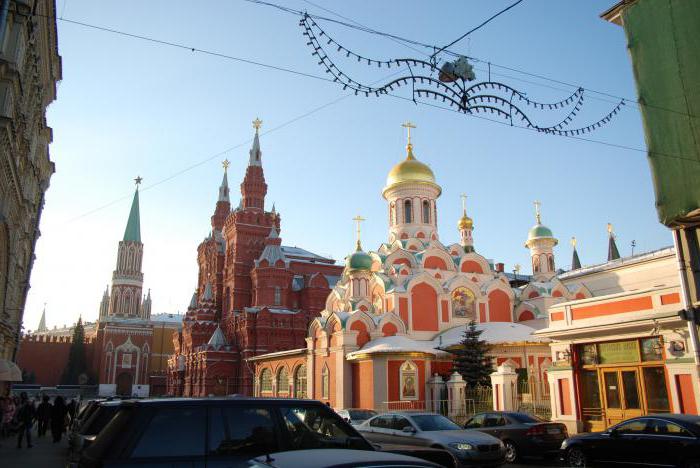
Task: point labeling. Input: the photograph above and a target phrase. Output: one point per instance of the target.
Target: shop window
(629, 386)
(655, 388)
(590, 395)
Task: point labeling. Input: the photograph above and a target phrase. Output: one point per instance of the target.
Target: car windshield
(99, 420)
(362, 414)
(524, 418)
(434, 422)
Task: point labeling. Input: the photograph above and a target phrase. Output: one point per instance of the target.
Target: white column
(456, 403)
(434, 393)
(505, 389)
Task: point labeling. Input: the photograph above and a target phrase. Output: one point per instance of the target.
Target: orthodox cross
(226, 164)
(358, 219)
(138, 180)
(573, 242)
(537, 204)
(610, 230)
(257, 123)
(464, 202)
(408, 126)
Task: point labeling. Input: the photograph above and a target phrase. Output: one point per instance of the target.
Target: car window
(637, 426)
(524, 418)
(361, 414)
(399, 423)
(173, 432)
(235, 430)
(99, 420)
(312, 427)
(434, 422)
(476, 421)
(383, 422)
(493, 420)
(661, 427)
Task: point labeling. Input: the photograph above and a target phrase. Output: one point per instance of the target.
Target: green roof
(360, 261)
(133, 226)
(539, 230)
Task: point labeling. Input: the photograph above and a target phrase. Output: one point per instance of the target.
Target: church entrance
(124, 382)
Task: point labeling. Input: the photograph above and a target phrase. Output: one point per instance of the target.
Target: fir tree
(471, 359)
(76, 356)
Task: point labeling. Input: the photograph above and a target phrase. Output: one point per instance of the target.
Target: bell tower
(541, 242)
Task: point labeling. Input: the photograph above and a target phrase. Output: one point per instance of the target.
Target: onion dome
(465, 223)
(359, 260)
(410, 170)
(538, 231)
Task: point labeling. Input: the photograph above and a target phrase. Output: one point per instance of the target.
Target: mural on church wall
(463, 303)
(409, 379)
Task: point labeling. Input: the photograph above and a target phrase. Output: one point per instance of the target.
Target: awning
(9, 372)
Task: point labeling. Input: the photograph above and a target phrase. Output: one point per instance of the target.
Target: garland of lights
(450, 87)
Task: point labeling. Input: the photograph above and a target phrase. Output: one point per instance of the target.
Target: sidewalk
(44, 453)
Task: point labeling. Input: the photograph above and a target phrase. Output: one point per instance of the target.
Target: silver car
(434, 430)
(356, 416)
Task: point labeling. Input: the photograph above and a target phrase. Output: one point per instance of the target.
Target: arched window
(392, 214)
(283, 382)
(407, 211)
(426, 212)
(409, 381)
(551, 262)
(278, 295)
(325, 382)
(536, 264)
(265, 381)
(300, 382)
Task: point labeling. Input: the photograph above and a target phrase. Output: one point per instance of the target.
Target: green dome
(360, 261)
(539, 230)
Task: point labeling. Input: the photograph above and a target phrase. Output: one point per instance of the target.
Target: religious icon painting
(463, 303)
(409, 381)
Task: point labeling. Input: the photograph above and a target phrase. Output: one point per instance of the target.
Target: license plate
(553, 430)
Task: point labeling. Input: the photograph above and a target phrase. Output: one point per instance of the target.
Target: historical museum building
(623, 352)
(254, 295)
(127, 348)
(30, 67)
(394, 311)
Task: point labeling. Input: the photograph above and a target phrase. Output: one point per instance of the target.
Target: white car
(356, 416)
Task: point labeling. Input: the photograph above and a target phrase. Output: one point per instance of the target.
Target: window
(300, 382)
(266, 380)
(399, 423)
(313, 427)
(476, 421)
(426, 212)
(126, 360)
(166, 436)
(409, 381)
(325, 382)
(382, 422)
(493, 420)
(392, 214)
(434, 422)
(278, 295)
(407, 211)
(283, 381)
(666, 428)
(632, 427)
(241, 431)
(655, 386)
(550, 261)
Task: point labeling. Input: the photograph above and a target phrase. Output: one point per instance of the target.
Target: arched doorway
(124, 381)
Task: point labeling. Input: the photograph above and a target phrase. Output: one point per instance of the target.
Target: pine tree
(76, 356)
(471, 359)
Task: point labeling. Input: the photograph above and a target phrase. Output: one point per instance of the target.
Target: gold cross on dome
(358, 219)
(226, 164)
(408, 126)
(464, 202)
(257, 123)
(138, 180)
(537, 204)
(610, 229)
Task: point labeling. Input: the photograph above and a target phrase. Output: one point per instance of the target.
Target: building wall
(30, 67)
(37, 351)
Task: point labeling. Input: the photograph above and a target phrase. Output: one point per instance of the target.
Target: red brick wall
(48, 359)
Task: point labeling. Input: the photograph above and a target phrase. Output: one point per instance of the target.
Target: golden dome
(465, 222)
(410, 170)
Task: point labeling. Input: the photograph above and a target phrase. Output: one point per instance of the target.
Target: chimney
(500, 267)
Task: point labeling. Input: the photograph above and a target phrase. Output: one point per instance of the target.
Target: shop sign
(617, 352)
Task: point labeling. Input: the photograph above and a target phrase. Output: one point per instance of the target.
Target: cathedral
(253, 296)
(387, 324)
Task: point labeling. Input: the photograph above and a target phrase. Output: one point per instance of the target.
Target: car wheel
(576, 458)
(511, 451)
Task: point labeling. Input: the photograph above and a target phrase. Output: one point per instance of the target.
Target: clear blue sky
(127, 107)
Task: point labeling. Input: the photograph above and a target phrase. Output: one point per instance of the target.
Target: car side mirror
(614, 432)
(408, 430)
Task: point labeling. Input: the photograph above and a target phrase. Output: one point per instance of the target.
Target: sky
(127, 107)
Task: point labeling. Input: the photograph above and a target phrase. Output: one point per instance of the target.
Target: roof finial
(573, 242)
(538, 215)
(138, 181)
(464, 203)
(358, 219)
(257, 123)
(409, 146)
(610, 230)
(226, 164)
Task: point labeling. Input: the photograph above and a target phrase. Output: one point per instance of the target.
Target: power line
(484, 23)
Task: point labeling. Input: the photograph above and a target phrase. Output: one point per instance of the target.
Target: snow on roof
(165, 317)
(299, 252)
(395, 344)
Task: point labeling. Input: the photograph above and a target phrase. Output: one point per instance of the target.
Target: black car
(215, 432)
(87, 428)
(653, 440)
(337, 458)
(522, 434)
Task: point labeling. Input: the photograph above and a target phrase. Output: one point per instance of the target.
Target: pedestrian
(8, 415)
(58, 418)
(71, 411)
(25, 420)
(43, 415)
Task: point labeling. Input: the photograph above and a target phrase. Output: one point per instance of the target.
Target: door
(622, 393)
(400, 437)
(379, 428)
(124, 382)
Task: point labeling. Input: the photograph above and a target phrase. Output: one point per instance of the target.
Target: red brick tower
(245, 231)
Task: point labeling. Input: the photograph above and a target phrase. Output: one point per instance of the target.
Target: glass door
(623, 398)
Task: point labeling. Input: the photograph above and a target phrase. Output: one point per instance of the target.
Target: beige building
(30, 67)
(624, 351)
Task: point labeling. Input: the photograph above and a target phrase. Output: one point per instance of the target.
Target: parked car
(217, 432)
(434, 430)
(333, 458)
(356, 416)
(653, 440)
(521, 433)
(87, 428)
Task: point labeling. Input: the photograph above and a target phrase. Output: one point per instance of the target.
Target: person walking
(43, 416)
(25, 419)
(58, 418)
(8, 415)
(71, 411)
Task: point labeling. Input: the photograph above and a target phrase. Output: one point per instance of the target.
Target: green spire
(133, 226)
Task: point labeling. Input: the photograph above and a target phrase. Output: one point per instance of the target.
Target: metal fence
(533, 397)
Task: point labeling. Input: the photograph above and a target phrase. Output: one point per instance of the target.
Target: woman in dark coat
(58, 418)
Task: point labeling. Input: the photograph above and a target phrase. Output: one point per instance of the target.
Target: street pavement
(44, 453)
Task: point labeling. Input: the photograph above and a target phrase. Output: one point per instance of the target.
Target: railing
(402, 405)
(533, 397)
